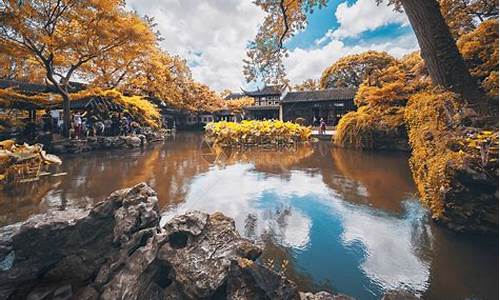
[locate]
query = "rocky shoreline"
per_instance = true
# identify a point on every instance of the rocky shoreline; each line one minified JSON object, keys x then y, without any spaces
{"x":106,"y":142}
{"x":118,"y":250}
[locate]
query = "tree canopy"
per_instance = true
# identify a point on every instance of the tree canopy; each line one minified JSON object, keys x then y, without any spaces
{"x":352,"y":70}
{"x":98,"y":41}
{"x":307,"y":85}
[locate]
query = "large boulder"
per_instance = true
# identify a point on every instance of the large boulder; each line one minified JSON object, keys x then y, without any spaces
{"x":117,"y":250}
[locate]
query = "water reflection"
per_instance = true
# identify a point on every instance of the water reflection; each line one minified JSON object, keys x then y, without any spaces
{"x":341,"y":220}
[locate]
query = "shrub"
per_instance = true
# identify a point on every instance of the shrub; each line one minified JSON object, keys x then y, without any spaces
{"x":256,"y":133}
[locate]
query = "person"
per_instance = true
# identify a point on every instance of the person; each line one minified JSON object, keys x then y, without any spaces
{"x":322,"y":126}
{"x":108,"y":124}
{"x":124,"y":125}
{"x":115,"y":124}
{"x":77,"y":123}
{"x":47,"y":121}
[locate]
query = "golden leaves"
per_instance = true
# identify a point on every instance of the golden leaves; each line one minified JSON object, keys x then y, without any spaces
{"x":256,"y":133}
{"x":479,"y":49}
{"x":352,"y":70}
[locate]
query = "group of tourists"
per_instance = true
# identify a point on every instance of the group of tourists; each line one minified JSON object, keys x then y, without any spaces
{"x":91,"y":124}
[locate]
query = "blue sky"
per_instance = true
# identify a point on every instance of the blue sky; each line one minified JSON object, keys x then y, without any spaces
{"x":323,"y":20}
{"x":213,"y":34}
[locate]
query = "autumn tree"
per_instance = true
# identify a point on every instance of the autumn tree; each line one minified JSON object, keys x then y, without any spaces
{"x":438,"y":48}
{"x":480,"y":51}
{"x":307,"y":85}
{"x":352,"y":70}
{"x":18,"y":64}
{"x":237,"y":105}
{"x":463,"y":16}
{"x":65,"y":36}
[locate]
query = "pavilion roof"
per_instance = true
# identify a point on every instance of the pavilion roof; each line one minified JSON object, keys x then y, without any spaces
{"x":335,"y":94}
{"x":268,"y":90}
{"x":36,"y":88}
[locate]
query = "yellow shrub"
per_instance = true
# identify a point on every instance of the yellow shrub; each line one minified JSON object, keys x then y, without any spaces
{"x":256,"y":133}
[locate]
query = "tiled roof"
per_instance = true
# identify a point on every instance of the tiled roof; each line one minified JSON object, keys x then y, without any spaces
{"x":267,"y":90}
{"x":28,"y":87}
{"x":262,"y":107}
{"x":321,"y":95}
{"x":233,"y":96}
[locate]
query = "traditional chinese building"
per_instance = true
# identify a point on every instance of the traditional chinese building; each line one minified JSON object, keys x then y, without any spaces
{"x":267,"y":103}
{"x":311,"y":106}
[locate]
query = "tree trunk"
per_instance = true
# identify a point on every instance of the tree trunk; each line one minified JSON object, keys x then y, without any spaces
{"x":66,"y":114}
{"x":439,"y":50}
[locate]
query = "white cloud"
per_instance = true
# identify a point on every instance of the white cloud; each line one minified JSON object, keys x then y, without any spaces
{"x":213,"y":35}
{"x":302,"y":64}
{"x":218,"y":29}
{"x":364,"y":15}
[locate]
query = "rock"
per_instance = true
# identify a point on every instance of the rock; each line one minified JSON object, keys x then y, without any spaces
{"x":71,"y":246}
{"x":200,"y":249}
{"x":399,"y":295}
{"x":324,"y":296}
{"x":248,"y":280}
{"x":117,"y":250}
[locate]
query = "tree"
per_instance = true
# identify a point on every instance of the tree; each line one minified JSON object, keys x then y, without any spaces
{"x":17,"y":64}
{"x":65,"y":36}
{"x":159,"y":75}
{"x":438,"y":49}
{"x":352,"y":70}
{"x":307,"y":85}
{"x":463,"y":16}
{"x":480,"y":51}
{"x":237,"y":105}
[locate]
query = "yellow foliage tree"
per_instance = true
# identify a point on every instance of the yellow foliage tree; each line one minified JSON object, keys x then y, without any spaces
{"x":307,"y":85}
{"x":352,"y":70}
{"x":480,"y":51}
{"x":64,"y":36}
{"x":237,"y":105}
{"x":463,"y":16}
{"x":381,"y":99}
{"x":284,"y":18}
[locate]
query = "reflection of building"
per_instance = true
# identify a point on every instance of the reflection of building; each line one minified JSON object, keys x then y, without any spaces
{"x":267,"y":103}
{"x":330,"y":104}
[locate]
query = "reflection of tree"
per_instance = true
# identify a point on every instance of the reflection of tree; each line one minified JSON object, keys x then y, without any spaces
{"x":275,"y":221}
{"x":14,"y":208}
{"x":93,"y":176}
{"x":265,"y":160}
{"x":280,"y":256}
{"x":381,"y":180}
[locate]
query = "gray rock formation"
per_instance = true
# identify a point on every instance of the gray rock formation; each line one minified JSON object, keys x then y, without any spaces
{"x":118,"y":251}
{"x":106,"y":142}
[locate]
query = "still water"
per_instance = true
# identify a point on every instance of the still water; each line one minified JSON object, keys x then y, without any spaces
{"x":335,"y":219}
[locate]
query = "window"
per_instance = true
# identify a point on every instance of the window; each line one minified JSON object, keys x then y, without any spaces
{"x":276,"y":102}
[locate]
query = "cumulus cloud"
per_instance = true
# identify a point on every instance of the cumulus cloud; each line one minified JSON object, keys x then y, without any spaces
{"x":302,"y":64}
{"x":211,"y":35}
{"x":364,"y":15}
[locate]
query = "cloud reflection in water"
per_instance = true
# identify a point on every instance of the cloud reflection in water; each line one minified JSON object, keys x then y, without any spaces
{"x":389,"y":259}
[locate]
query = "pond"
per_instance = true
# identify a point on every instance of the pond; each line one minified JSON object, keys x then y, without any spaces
{"x":330,"y":218}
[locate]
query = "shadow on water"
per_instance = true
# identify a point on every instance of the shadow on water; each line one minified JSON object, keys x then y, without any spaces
{"x":331,"y":218}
